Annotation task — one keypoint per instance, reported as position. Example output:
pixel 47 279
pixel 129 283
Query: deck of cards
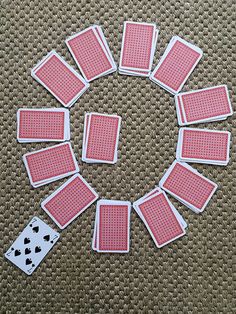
pixel 43 125
pixel 203 146
pixel 203 105
pixel 50 164
pixel 60 79
pixel 160 217
pixel 112 227
pixel 101 137
pixel 91 53
pixel 138 48
pixel 177 63
pixel 188 186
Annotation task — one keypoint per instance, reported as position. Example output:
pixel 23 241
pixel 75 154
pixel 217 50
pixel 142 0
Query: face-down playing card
pixel 50 164
pixel 203 105
pixel 43 125
pixel 101 137
pixel 32 245
pixel 188 186
pixel 160 217
pixel 112 227
pixel 175 66
pixel 203 146
pixel 156 191
pixel 91 53
pixel 69 201
pixel 60 79
pixel 138 47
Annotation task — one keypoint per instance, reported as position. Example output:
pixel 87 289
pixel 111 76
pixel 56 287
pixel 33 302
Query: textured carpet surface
pixel 192 275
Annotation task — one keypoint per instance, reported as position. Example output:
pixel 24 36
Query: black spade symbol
pixel 36 229
pixel 26 240
pixel 37 249
pixel 17 252
pixel 27 251
pixel 46 237
pixel 28 261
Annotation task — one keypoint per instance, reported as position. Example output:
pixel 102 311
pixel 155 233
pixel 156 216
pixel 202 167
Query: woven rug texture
pixel 195 274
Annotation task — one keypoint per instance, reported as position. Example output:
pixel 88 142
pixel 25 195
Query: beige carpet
pixel 192 275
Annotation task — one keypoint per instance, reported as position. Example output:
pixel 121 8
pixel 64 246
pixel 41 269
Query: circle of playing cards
pixel 94 59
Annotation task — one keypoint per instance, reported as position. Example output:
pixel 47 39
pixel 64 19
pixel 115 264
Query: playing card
pixel 91 53
pixel 176 64
pixel 138 47
pixel 112 232
pixel 32 245
pixel 50 164
pixel 43 125
pixel 203 105
pixel 157 191
pixel 94 239
pixel 86 125
pixel 188 186
pixel 100 34
pixel 60 79
pixel 101 137
pixel 158 215
pixel 69 201
pixel 134 73
pixel 203 146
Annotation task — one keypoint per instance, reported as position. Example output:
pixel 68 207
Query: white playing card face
pixel 32 245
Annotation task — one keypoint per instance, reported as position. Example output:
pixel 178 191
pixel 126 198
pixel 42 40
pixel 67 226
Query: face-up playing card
pixel 43 125
pixel 138 47
pixel 91 53
pixel 175 66
pixel 112 231
pixel 157 213
pixel 69 201
pixel 50 164
pixel 203 146
pixel 203 105
pixel 60 79
pixel 32 245
pixel 188 186
pixel 101 137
